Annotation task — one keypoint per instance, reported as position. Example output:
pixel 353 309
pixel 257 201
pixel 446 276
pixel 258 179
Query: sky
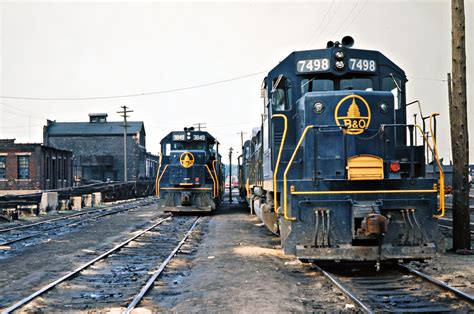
pixel 203 62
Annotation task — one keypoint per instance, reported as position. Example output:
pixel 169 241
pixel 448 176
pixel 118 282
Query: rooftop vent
pixel 97 117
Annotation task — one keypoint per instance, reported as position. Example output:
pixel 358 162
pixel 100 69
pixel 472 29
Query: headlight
pixel 339 55
pixel 318 107
pixel 383 107
pixel 339 65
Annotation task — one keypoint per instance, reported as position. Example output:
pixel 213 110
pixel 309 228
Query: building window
pixel 66 168
pixel 3 167
pixel 47 168
pixel 23 167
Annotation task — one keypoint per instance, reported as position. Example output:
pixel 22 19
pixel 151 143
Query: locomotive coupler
pixel 185 199
pixel 375 225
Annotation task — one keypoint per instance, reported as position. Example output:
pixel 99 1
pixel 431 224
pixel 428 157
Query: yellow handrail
pixel 247 187
pixel 215 175
pixel 441 173
pixel 285 189
pixel 275 199
pixel 213 181
pixel 159 179
pixel 434 151
pixel 157 189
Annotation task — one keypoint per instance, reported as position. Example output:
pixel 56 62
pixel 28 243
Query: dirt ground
pixel 236 265
pixel 231 263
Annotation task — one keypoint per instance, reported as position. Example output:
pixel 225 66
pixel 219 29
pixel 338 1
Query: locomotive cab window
pixel 167 149
pixel 356 84
pixel 313 85
pixel 178 146
pixel 394 85
pixel 281 94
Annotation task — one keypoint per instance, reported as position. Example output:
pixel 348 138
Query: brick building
pixel 26 168
pixel 98 148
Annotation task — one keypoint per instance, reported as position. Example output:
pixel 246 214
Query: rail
pixel 439 283
pixel 383 291
pixel 53 284
pixel 157 273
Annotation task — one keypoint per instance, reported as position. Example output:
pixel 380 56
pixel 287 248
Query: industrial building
pixel 33 167
pixel 98 147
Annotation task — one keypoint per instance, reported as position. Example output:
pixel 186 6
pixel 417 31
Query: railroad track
pixel 40 231
pixel 447 223
pixel 398 289
pixel 119 277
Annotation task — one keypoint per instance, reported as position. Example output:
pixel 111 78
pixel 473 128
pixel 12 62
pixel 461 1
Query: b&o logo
pixel 353 112
pixel 186 159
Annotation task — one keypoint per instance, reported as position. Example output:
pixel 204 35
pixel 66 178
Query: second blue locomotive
pixel 190 173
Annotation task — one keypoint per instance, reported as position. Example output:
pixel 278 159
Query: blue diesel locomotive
pixel 335 169
pixel 189 177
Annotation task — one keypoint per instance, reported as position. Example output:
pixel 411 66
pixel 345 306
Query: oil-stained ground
pixel 235 265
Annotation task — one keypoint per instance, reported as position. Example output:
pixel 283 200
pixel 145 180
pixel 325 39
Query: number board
pixel 362 65
pixel 178 137
pixel 312 65
pixel 197 137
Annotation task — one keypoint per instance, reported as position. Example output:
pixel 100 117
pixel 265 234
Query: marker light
pixel 395 166
pixel 196 179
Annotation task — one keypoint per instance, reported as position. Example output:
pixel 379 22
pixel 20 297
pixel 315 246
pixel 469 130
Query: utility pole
pixel 242 138
pixel 459 131
pixel 123 114
pixel 230 175
pixel 200 125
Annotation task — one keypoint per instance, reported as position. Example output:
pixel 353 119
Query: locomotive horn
pixel 330 44
pixel 347 41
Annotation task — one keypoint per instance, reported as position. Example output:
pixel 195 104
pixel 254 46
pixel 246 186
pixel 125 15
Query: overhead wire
pixel 136 94
pixel 323 29
pixel 20 112
pixel 355 16
pixel 316 30
pixel 345 19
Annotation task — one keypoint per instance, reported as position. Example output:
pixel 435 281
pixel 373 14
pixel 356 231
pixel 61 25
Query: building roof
pixel 94 128
pixel 10 145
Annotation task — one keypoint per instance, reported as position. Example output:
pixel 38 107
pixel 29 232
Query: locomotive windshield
pixel 324 85
pixel 188 145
